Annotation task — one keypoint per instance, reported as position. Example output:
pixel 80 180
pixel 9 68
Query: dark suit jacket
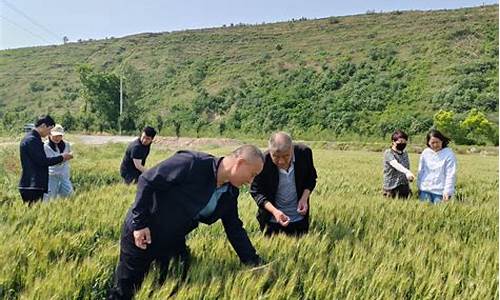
pixel 265 185
pixel 35 164
pixel 171 194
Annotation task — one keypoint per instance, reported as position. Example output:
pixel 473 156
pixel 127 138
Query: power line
pixel 11 6
pixel 28 31
pixel 36 75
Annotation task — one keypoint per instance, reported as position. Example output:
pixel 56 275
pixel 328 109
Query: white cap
pixel 57 130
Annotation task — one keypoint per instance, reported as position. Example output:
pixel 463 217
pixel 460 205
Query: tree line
pixel 370 98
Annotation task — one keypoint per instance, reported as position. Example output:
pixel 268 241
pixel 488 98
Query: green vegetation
pixel 361 246
pixel 473 129
pixel 355 76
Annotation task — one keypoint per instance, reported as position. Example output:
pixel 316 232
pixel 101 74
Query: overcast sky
pixel 26 23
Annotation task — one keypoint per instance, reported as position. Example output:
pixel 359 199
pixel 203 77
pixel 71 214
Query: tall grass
pixel 361 246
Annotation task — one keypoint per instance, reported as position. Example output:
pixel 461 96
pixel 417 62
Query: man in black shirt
pixel 172 198
pixel 35 164
pixel 135 157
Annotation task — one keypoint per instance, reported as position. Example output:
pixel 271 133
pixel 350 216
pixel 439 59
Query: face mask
pixel 401 146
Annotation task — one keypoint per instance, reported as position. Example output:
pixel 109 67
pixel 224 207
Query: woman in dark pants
pixel 397 172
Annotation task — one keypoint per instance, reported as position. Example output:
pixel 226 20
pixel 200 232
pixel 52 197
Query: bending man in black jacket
pixel 35 164
pixel 282 189
pixel 171 199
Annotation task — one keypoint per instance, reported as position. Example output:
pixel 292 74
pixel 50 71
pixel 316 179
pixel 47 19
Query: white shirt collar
pixel 291 168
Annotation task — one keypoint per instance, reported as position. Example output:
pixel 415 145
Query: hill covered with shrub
pixel 361 75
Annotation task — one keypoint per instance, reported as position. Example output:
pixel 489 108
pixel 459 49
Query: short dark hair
pixel 437 134
pixel 149 131
pixel 399 134
pixel 45 119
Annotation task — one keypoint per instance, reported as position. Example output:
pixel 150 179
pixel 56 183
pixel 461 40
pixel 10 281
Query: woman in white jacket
pixel 59 177
pixel 437 169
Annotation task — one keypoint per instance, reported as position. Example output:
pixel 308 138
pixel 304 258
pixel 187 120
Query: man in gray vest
pixel 282 189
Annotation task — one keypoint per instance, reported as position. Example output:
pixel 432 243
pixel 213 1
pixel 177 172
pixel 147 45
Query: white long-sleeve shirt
pixel 394 163
pixel 437 171
pixel 396 169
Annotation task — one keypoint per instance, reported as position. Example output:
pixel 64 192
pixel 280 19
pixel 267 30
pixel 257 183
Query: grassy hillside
pixel 361 246
pixel 337 75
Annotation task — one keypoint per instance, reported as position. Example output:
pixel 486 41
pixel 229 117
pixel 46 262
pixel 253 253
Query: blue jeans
pixel 431 197
pixel 59 186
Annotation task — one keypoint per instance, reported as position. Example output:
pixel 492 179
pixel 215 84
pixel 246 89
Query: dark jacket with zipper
pixel 171 194
pixel 265 185
pixel 35 164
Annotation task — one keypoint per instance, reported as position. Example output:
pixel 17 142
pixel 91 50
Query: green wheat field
pixel 361 246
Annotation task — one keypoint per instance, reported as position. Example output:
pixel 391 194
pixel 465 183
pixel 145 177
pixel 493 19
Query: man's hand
pixel 410 177
pixel 282 219
pixel 142 237
pixel 67 156
pixel 446 197
pixel 302 207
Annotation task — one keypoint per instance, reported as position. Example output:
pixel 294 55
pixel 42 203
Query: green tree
pixel 102 92
pixel 68 121
pixel 178 116
pixel 477 128
pixel 159 122
pixel 449 125
pixel 200 121
pixel 221 127
pixel 133 92
pixel 199 73
pixel 86 120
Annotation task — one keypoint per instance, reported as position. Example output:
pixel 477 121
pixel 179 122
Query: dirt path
pixel 168 142
pixel 103 139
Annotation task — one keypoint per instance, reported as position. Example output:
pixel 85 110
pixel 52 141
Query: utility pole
pixel 121 91
pixel 121 105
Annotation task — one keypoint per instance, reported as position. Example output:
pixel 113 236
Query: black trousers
pixel 134 262
pixel 293 228
pixel 31 196
pixel 401 191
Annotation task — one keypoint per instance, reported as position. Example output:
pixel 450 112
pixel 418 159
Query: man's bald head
pixel 249 152
pixel 245 162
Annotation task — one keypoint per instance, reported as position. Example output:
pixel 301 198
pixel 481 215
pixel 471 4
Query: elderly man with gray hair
pixel 283 187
